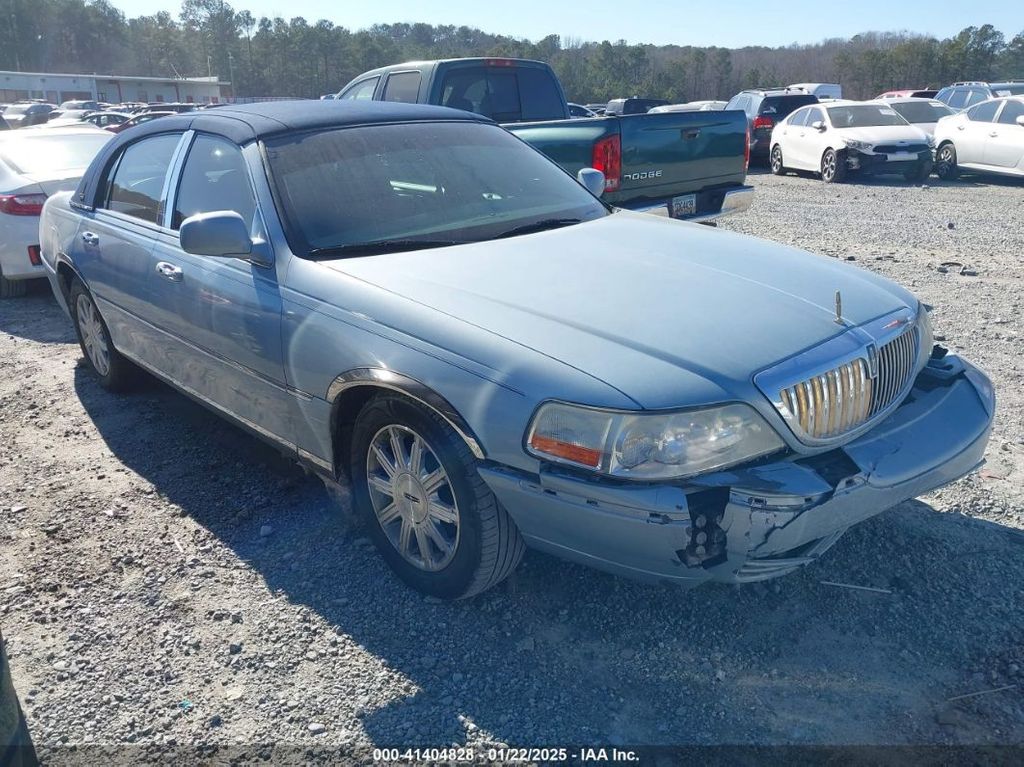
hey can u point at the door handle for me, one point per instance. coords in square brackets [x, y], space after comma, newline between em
[691, 133]
[169, 271]
[993, 134]
[960, 127]
[90, 239]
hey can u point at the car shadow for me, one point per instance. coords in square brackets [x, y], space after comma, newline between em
[564, 654]
[35, 316]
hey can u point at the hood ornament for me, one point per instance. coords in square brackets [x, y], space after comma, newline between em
[839, 308]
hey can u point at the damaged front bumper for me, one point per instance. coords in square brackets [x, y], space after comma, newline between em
[761, 521]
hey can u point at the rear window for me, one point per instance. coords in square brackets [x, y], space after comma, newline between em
[17, 109]
[51, 154]
[780, 106]
[505, 94]
[922, 111]
[1009, 89]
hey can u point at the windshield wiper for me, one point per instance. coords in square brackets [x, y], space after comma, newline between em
[538, 226]
[378, 247]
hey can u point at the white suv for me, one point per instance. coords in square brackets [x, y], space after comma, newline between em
[986, 138]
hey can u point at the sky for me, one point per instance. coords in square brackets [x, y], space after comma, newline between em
[727, 24]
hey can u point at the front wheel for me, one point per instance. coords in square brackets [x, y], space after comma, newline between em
[945, 162]
[833, 167]
[777, 166]
[431, 516]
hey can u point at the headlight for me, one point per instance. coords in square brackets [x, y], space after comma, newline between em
[931, 141]
[924, 328]
[650, 445]
[860, 146]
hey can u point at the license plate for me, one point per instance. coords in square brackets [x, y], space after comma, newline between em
[683, 206]
[901, 157]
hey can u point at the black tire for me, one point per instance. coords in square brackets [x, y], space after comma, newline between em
[775, 161]
[945, 162]
[120, 373]
[12, 288]
[833, 167]
[919, 173]
[488, 546]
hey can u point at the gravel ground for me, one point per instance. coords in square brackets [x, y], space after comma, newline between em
[166, 580]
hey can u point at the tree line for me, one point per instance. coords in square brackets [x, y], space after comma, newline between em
[294, 57]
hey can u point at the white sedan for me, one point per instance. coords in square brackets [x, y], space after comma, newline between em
[35, 164]
[986, 138]
[838, 137]
[921, 113]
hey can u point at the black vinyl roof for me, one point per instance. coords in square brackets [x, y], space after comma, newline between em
[243, 123]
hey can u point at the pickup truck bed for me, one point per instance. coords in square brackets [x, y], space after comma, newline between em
[682, 164]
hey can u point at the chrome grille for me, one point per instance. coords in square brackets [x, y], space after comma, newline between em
[839, 400]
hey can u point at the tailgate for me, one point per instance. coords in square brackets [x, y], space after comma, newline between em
[673, 153]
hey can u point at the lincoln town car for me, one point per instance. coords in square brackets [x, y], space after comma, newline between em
[411, 300]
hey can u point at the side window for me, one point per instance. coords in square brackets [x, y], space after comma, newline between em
[976, 96]
[799, 117]
[1011, 112]
[746, 103]
[361, 91]
[815, 115]
[539, 94]
[958, 98]
[983, 113]
[944, 95]
[214, 178]
[403, 87]
[137, 183]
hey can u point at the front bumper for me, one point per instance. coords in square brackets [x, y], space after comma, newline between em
[886, 163]
[768, 519]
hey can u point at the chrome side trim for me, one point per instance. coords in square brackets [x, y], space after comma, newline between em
[317, 461]
[410, 387]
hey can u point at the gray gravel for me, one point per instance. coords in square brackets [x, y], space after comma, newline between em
[168, 581]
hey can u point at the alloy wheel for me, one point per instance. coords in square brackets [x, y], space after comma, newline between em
[828, 166]
[93, 334]
[413, 498]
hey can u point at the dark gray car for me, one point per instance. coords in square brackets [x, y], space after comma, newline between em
[766, 107]
[23, 115]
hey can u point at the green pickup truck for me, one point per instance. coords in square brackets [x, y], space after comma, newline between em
[690, 165]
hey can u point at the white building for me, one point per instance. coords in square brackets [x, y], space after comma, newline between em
[115, 89]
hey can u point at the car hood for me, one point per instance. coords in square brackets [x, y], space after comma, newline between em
[884, 134]
[646, 304]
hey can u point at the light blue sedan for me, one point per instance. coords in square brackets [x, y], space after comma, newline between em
[413, 300]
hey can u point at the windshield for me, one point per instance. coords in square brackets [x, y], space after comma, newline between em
[17, 109]
[417, 184]
[922, 111]
[51, 154]
[864, 116]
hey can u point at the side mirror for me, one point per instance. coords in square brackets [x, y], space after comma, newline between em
[592, 180]
[219, 233]
[818, 125]
[1020, 121]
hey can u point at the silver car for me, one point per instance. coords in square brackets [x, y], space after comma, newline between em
[986, 138]
[411, 299]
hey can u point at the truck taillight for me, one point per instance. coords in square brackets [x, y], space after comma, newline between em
[34, 256]
[746, 151]
[607, 158]
[763, 122]
[22, 204]
[499, 63]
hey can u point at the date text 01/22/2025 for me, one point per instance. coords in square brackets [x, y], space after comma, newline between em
[503, 755]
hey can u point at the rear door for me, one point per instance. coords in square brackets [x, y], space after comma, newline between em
[793, 134]
[974, 133]
[115, 241]
[1004, 147]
